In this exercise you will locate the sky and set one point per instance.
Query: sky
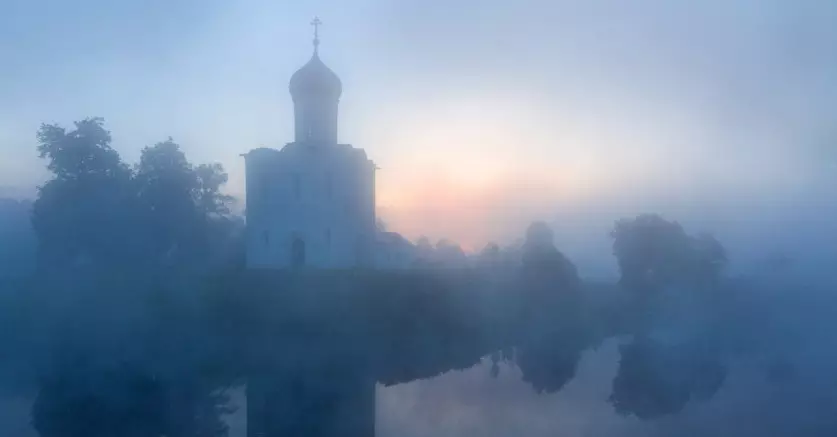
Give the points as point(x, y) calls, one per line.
point(482, 115)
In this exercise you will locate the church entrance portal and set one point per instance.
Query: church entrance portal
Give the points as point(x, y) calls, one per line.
point(297, 253)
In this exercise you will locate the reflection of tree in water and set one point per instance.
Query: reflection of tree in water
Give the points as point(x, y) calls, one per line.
point(656, 379)
point(548, 365)
point(99, 402)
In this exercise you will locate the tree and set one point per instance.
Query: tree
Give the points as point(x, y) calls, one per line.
point(489, 257)
point(115, 240)
point(651, 251)
point(211, 202)
point(654, 253)
point(545, 269)
point(553, 324)
point(185, 212)
point(166, 185)
point(658, 377)
point(82, 154)
point(425, 252)
point(86, 212)
point(709, 258)
point(97, 210)
point(17, 240)
point(450, 254)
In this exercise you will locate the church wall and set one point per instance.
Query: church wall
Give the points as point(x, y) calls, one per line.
point(290, 198)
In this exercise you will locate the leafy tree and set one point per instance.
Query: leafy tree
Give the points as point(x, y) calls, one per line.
point(654, 253)
point(18, 245)
point(211, 202)
point(117, 239)
point(81, 154)
point(658, 377)
point(553, 324)
point(166, 185)
point(450, 254)
point(545, 270)
point(425, 252)
point(185, 210)
point(95, 209)
point(651, 252)
point(489, 257)
point(86, 212)
point(710, 259)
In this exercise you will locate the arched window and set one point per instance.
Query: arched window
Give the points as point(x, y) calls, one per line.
point(266, 237)
point(328, 237)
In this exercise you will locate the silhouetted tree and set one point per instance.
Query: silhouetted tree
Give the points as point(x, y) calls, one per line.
point(86, 212)
point(655, 377)
point(651, 252)
point(166, 186)
point(547, 275)
point(131, 245)
point(489, 257)
point(450, 254)
point(18, 244)
point(654, 253)
point(553, 325)
point(710, 259)
point(210, 200)
point(425, 253)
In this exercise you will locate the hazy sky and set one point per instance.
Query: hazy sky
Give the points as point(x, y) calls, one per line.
point(482, 114)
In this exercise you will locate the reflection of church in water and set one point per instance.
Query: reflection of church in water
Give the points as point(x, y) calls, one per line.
point(312, 203)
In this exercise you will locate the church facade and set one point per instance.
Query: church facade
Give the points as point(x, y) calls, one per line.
point(312, 202)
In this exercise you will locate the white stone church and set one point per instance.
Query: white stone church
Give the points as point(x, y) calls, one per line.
point(312, 202)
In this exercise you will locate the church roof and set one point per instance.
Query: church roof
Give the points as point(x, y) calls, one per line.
point(315, 79)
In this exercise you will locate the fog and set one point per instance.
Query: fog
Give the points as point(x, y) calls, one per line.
point(659, 179)
point(582, 103)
